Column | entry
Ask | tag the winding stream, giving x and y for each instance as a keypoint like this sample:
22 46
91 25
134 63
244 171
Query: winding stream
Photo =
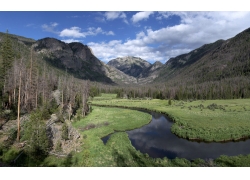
157 141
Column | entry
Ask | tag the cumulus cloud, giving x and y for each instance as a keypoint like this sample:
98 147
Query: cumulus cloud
50 27
141 16
111 15
72 32
70 40
76 32
192 31
116 48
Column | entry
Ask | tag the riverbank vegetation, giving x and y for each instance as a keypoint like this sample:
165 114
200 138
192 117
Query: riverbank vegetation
119 152
205 120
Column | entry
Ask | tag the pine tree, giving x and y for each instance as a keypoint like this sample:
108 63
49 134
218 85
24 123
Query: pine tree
7 54
7 57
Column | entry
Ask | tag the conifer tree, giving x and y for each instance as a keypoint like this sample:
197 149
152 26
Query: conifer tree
7 53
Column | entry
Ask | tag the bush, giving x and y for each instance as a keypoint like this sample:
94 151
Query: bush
58 146
10 155
169 102
11 137
38 143
65 132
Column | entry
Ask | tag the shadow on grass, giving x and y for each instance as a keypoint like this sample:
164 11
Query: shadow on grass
138 159
68 161
120 160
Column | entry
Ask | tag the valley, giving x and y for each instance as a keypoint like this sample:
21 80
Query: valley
58 101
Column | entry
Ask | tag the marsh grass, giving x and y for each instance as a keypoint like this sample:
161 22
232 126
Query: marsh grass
207 120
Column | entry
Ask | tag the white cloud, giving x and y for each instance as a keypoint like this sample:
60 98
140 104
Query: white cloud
110 33
194 30
50 27
70 40
111 15
116 48
72 32
76 32
141 15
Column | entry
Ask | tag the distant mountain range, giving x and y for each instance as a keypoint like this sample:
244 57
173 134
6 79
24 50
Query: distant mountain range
211 62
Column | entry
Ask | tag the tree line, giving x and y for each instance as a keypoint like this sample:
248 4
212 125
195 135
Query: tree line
228 88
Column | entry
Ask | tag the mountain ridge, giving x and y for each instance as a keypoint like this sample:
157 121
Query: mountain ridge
210 62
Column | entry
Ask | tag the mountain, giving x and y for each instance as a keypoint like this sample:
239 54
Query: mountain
75 58
211 62
216 61
130 65
19 39
119 77
149 74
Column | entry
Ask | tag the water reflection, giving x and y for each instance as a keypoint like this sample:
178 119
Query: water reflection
157 141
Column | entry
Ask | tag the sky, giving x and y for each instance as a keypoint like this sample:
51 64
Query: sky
150 35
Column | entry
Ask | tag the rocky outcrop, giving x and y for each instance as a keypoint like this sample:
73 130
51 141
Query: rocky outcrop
131 66
150 73
75 58
118 76
60 145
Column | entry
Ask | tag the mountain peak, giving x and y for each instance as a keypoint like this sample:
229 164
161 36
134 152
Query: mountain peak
130 65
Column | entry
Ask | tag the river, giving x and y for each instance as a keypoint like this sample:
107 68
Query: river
157 140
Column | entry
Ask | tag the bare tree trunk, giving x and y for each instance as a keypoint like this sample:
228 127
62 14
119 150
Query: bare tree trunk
36 88
62 103
18 106
14 94
70 109
9 94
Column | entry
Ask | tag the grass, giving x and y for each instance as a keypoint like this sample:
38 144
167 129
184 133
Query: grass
209 120
118 151
105 121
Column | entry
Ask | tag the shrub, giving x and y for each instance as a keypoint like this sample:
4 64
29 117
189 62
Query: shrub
38 143
65 132
169 102
58 146
10 155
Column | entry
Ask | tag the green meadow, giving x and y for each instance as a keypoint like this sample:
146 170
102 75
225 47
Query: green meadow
210 120
206 120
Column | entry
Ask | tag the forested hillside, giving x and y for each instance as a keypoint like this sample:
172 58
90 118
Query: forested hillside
30 92
219 70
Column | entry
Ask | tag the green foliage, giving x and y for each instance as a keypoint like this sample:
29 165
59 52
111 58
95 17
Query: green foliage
9 155
78 114
49 108
58 146
7 54
53 107
94 91
65 132
12 134
233 161
210 120
36 136
169 102
181 162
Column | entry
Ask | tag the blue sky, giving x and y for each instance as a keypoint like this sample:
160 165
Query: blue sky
151 35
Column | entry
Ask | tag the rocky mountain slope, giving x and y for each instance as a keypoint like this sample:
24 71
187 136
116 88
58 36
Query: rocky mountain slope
149 74
75 58
130 65
78 59
211 62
